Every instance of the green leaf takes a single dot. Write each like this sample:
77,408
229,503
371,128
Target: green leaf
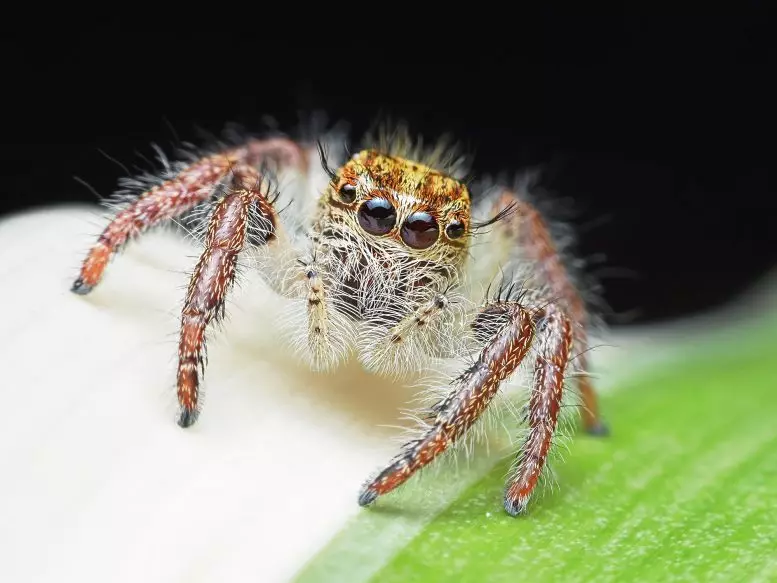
685,489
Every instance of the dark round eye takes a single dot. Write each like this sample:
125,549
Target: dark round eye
455,230
348,192
420,230
377,216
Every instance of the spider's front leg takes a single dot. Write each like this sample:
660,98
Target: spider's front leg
192,185
245,213
473,391
420,318
554,340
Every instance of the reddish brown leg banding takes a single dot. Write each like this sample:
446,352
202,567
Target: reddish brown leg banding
213,276
554,338
534,237
167,201
473,392
171,199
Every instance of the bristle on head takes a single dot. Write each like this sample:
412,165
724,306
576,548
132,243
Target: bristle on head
395,139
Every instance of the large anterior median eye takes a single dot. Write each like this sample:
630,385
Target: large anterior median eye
420,230
377,216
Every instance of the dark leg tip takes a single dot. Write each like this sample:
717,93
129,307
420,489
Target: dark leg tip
80,288
187,418
598,430
514,507
367,497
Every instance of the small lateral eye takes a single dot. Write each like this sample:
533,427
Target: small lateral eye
348,192
377,216
420,230
455,229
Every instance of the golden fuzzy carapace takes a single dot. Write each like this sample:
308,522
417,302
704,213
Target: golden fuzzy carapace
395,256
430,210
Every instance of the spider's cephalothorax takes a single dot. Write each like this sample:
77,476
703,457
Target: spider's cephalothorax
377,256
389,238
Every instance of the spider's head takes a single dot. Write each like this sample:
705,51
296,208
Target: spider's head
421,210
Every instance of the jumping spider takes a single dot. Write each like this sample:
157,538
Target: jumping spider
378,256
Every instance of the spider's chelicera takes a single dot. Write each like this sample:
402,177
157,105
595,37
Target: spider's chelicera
384,254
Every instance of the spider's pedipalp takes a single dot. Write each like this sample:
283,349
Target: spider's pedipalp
406,345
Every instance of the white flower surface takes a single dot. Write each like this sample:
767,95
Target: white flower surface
100,484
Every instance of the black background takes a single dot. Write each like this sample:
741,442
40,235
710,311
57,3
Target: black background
659,126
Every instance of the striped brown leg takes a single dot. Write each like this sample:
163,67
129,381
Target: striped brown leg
169,200
241,214
554,338
472,393
534,238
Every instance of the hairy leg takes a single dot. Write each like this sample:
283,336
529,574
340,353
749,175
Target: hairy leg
244,213
554,338
534,238
193,185
473,391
